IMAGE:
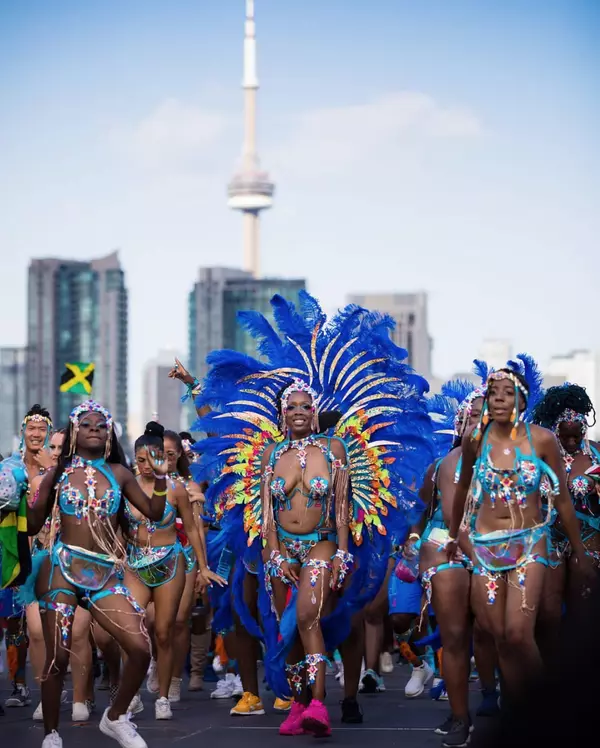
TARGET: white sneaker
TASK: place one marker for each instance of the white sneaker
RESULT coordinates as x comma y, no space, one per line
224,689
419,679
339,675
217,665
52,740
238,689
136,705
386,663
162,709
38,715
80,712
122,730
175,690
152,682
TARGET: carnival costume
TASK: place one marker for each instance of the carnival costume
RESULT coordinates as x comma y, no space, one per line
156,565
348,365
450,412
88,572
15,556
499,552
582,488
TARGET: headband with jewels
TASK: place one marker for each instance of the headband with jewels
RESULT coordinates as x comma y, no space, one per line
36,418
298,385
498,375
90,406
464,409
572,416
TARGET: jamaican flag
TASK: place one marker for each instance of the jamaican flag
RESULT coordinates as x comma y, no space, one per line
78,378
15,557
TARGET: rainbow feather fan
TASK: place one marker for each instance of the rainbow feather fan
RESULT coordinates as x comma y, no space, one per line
355,368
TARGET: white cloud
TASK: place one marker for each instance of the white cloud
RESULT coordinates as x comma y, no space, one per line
175,137
337,139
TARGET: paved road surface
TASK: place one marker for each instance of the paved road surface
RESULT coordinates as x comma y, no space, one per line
390,719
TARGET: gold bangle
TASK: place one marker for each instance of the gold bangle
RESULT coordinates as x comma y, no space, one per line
159,493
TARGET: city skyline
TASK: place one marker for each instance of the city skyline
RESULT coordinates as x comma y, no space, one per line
471,181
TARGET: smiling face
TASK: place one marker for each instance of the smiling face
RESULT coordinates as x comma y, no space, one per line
93,433
56,443
299,415
570,434
35,435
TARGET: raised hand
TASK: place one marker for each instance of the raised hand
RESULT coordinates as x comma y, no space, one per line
157,461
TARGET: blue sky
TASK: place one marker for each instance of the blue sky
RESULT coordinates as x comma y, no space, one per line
454,142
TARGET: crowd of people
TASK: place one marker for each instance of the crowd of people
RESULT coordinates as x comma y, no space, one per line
333,512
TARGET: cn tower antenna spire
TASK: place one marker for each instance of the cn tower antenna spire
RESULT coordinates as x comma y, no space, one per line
250,191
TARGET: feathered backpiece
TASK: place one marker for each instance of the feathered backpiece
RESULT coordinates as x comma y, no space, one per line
354,368
529,369
450,410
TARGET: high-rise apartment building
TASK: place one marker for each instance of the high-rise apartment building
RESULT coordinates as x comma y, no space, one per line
217,297
13,401
409,310
162,396
77,312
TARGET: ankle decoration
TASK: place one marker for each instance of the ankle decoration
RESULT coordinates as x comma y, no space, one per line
312,666
295,675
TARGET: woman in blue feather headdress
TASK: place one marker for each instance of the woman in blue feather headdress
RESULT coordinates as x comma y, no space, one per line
505,460
322,507
455,411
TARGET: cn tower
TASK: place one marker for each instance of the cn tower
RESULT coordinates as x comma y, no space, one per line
250,190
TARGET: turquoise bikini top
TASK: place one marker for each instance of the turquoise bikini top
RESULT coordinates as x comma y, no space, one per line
511,485
71,499
167,521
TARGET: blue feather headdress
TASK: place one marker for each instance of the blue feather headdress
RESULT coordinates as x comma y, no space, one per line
450,410
355,369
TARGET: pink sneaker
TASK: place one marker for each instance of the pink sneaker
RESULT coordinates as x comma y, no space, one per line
315,719
292,724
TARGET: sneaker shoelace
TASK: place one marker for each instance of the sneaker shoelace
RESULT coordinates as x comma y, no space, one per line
127,726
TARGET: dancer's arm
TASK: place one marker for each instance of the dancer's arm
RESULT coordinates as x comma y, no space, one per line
342,561
40,505
469,455
547,447
184,509
182,374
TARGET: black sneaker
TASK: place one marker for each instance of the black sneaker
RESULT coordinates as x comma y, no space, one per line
458,736
446,725
19,697
351,712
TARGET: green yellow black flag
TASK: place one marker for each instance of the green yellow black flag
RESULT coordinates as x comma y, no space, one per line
78,378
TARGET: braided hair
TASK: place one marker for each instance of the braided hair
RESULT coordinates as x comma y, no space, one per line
37,410
559,399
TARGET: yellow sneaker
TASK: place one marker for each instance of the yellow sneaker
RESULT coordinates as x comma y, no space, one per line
283,705
248,705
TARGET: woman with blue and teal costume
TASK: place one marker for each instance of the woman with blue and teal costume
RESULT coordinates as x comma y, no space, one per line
85,563
448,584
319,507
505,461
156,563
567,410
